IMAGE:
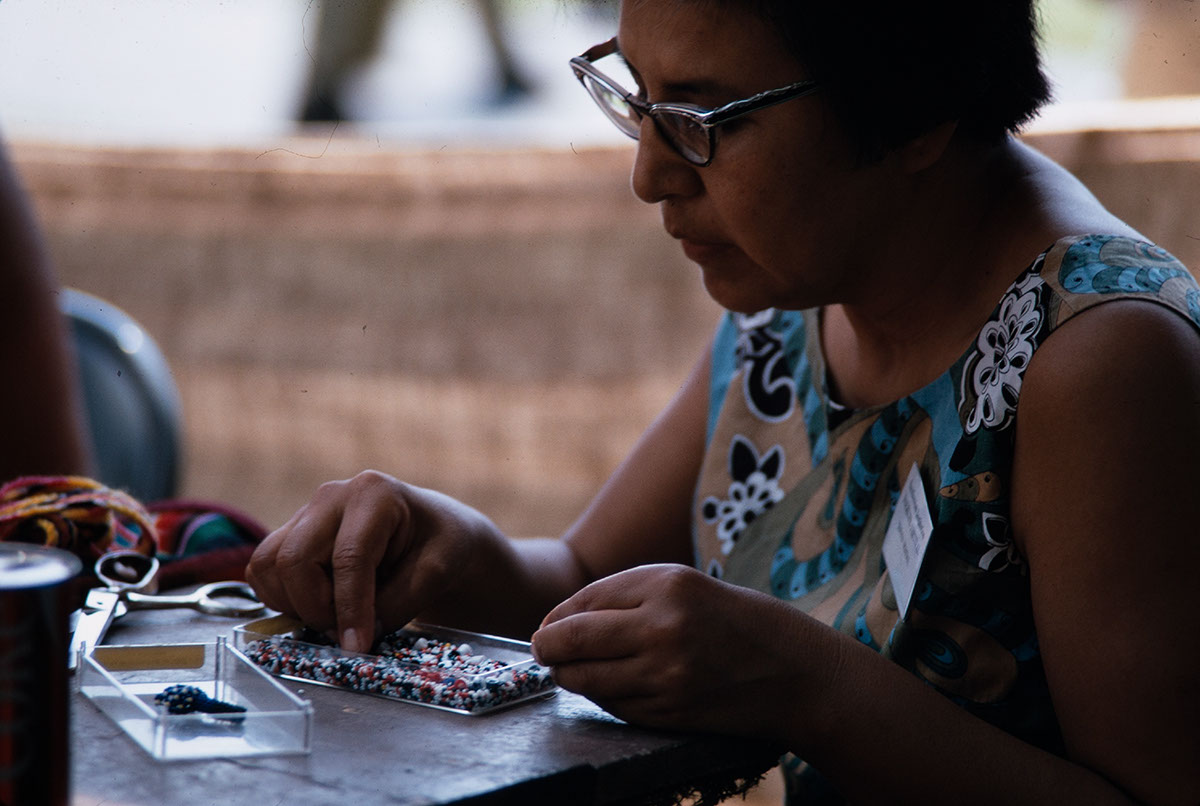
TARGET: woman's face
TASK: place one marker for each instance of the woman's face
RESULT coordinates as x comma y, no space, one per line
779,216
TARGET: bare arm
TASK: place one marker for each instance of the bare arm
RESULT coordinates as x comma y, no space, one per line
370,553
643,514
41,409
1105,488
1107,505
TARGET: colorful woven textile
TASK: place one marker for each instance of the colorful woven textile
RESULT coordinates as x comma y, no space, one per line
195,541
202,541
74,513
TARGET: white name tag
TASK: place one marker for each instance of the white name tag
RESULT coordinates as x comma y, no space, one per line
907,539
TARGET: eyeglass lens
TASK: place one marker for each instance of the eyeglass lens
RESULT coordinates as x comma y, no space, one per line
689,138
614,105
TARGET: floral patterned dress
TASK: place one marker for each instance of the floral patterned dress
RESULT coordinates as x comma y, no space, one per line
789,504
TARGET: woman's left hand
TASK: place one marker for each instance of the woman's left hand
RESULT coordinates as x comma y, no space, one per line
668,646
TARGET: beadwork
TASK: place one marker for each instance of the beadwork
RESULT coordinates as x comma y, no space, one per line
407,666
183,699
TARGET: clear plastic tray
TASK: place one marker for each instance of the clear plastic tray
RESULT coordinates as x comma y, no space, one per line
122,681
437,670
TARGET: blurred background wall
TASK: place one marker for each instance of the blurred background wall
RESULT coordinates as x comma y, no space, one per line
499,325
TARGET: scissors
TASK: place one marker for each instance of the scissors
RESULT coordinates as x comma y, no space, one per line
130,582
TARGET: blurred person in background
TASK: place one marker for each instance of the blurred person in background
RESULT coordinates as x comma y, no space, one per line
348,37
41,408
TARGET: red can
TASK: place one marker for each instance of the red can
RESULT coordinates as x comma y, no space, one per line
35,768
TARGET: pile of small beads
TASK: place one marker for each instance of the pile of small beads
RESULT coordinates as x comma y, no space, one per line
407,666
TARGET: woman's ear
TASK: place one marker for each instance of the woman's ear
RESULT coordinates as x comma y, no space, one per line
926,149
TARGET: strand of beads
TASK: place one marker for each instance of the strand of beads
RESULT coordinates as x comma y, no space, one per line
408,667
183,699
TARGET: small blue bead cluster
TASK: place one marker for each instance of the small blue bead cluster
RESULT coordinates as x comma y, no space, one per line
408,666
184,699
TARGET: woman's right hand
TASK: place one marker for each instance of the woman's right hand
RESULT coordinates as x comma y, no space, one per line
365,556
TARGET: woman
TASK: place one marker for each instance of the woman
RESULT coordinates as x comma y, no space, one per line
843,533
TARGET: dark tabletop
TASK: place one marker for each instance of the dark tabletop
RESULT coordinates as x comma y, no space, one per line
367,750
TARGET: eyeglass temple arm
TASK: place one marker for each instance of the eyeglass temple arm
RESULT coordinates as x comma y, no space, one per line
597,52
761,101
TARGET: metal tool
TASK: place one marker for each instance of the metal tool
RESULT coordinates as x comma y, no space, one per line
130,581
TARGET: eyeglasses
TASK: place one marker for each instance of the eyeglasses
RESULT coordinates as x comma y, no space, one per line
691,130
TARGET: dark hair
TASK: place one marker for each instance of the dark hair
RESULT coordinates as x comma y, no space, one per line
894,70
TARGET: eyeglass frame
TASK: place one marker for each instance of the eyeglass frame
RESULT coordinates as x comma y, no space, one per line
707,119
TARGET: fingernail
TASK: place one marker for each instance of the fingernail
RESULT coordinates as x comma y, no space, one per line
350,639
533,647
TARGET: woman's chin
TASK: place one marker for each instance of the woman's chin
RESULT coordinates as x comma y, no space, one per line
735,297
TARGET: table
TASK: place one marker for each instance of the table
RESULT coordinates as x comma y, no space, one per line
368,751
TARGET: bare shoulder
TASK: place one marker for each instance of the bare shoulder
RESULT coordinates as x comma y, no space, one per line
1059,203
1106,502
1111,344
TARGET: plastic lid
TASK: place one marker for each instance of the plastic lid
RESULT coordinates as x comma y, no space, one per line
30,566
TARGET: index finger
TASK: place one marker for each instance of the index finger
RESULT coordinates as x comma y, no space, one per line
590,635
363,539
623,590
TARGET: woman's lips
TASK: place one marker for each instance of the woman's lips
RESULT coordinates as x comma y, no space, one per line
701,251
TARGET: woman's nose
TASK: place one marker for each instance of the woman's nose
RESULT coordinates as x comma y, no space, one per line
659,172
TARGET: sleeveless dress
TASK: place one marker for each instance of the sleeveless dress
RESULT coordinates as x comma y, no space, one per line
794,497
